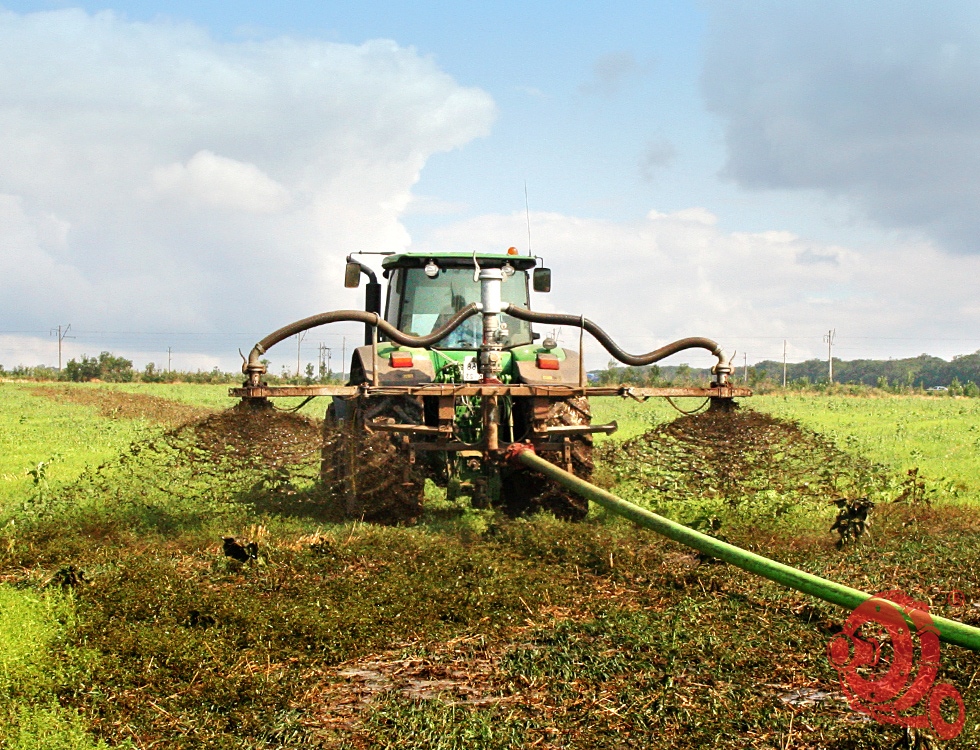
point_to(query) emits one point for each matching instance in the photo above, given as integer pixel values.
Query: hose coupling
(723, 370)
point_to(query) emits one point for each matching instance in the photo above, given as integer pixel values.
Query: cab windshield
(428, 304)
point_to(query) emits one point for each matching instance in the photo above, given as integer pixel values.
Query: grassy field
(121, 621)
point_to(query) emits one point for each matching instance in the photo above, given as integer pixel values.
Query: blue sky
(750, 171)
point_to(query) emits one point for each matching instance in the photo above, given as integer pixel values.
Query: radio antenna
(527, 213)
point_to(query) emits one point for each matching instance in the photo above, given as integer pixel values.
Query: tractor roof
(458, 260)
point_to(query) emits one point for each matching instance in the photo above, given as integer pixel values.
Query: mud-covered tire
(369, 476)
(524, 491)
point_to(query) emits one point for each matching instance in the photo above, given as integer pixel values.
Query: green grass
(939, 436)
(31, 625)
(208, 396)
(467, 631)
(214, 396)
(66, 437)
(635, 418)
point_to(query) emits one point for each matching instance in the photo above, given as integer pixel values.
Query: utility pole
(169, 353)
(745, 367)
(62, 333)
(343, 361)
(299, 344)
(324, 360)
(829, 339)
(784, 363)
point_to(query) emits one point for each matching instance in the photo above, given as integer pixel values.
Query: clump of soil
(736, 454)
(114, 404)
(249, 437)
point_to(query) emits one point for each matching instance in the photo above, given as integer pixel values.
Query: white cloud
(211, 180)
(694, 215)
(874, 102)
(35, 274)
(676, 274)
(154, 178)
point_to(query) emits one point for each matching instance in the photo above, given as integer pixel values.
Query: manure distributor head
(451, 376)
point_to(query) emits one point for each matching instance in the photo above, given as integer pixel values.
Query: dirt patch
(456, 674)
(737, 454)
(251, 437)
(114, 404)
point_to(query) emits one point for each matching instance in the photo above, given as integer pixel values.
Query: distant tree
(87, 369)
(955, 387)
(151, 374)
(106, 366)
(654, 376)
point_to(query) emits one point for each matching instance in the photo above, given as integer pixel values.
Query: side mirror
(352, 275)
(541, 280)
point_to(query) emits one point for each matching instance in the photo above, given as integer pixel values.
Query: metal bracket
(411, 429)
(585, 429)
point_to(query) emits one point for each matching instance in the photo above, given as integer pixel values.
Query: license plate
(470, 371)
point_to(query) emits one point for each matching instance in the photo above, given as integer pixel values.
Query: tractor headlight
(431, 269)
(508, 270)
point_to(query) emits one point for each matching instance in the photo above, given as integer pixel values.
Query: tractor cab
(425, 291)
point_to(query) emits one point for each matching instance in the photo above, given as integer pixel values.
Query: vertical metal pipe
(491, 280)
(374, 354)
(491, 423)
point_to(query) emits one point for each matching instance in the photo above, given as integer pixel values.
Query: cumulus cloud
(678, 274)
(211, 180)
(34, 272)
(875, 102)
(154, 177)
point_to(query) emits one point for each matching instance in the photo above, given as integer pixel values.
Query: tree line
(109, 368)
(961, 375)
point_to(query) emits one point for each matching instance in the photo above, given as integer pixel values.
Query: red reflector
(548, 362)
(401, 359)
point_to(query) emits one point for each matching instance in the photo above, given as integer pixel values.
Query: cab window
(429, 303)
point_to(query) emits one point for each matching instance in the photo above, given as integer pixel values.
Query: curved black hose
(636, 360)
(357, 316)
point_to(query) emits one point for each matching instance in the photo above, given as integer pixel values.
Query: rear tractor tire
(368, 473)
(525, 491)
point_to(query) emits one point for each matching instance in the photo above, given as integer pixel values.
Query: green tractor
(450, 377)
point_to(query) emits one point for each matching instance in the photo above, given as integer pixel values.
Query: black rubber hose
(636, 360)
(357, 316)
